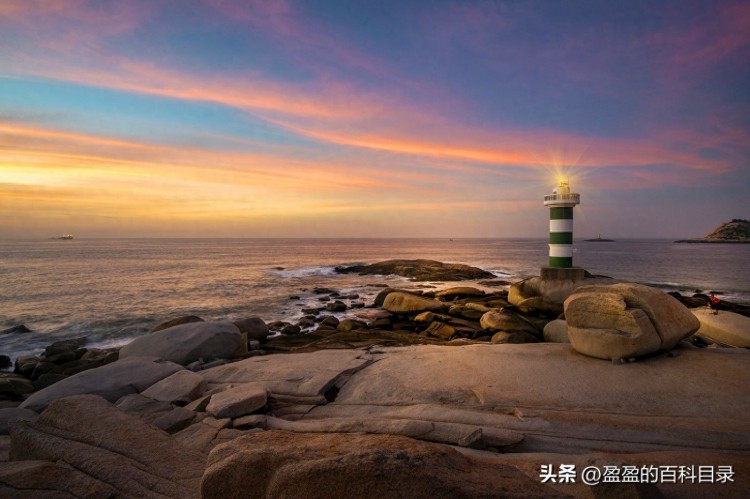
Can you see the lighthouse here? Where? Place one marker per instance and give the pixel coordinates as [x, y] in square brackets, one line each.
[561, 203]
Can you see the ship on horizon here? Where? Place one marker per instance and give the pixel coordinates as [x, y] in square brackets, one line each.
[599, 240]
[64, 237]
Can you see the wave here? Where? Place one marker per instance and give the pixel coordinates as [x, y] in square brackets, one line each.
[307, 271]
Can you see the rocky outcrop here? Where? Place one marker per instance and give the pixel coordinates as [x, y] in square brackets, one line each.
[724, 328]
[187, 343]
[625, 320]
[419, 270]
[345, 466]
[110, 382]
[110, 447]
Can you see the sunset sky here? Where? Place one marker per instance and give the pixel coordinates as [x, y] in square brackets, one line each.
[332, 118]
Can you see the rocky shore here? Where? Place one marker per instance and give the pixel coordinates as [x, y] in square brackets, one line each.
[459, 392]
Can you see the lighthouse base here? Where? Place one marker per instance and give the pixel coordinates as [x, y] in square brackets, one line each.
[563, 274]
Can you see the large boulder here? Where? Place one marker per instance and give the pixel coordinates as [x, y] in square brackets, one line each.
[400, 302]
[625, 320]
[724, 328]
[187, 343]
[286, 465]
[255, 328]
[537, 295]
[95, 438]
[111, 381]
[420, 270]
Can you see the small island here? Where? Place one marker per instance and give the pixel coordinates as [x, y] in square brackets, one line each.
[736, 231]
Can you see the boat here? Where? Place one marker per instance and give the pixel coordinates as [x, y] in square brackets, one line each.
[599, 240]
[65, 236]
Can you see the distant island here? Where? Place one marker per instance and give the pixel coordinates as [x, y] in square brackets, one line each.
[736, 231]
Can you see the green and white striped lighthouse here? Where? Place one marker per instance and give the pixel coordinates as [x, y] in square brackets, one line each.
[561, 203]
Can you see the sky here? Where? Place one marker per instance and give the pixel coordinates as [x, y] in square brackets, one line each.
[332, 118]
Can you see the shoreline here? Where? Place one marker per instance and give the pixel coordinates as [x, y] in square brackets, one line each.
[419, 379]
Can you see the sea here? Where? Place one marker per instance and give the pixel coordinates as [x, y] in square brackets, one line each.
[113, 290]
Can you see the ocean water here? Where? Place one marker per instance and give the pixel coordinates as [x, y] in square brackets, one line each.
[114, 290]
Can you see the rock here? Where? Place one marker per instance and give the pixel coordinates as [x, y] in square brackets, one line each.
[323, 291]
[65, 349]
[14, 414]
[458, 292]
[43, 479]
[48, 379]
[350, 325]
[516, 337]
[305, 323]
[380, 297]
[470, 314]
[505, 320]
[181, 387]
[5, 362]
[111, 381]
[419, 270]
[21, 328]
[291, 329]
[187, 343]
[556, 331]
[625, 320]
[440, 330]
[142, 407]
[25, 364]
[186, 319]
[399, 302]
[382, 323]
[345, 466]
[14, 386]
[255, 328]
[175, 420]
[336, 306]
[252, 421]
[724, 328]
[237, 402]
[494, 283]
[329, 321]
[426, 317]
[97, 439]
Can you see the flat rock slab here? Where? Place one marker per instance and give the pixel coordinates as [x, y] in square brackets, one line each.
[564, 400]
[111, 381]
[300, 375]
[282, 464]
[725, 328]
[237, 402]
[91, 435]
[183, 386]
